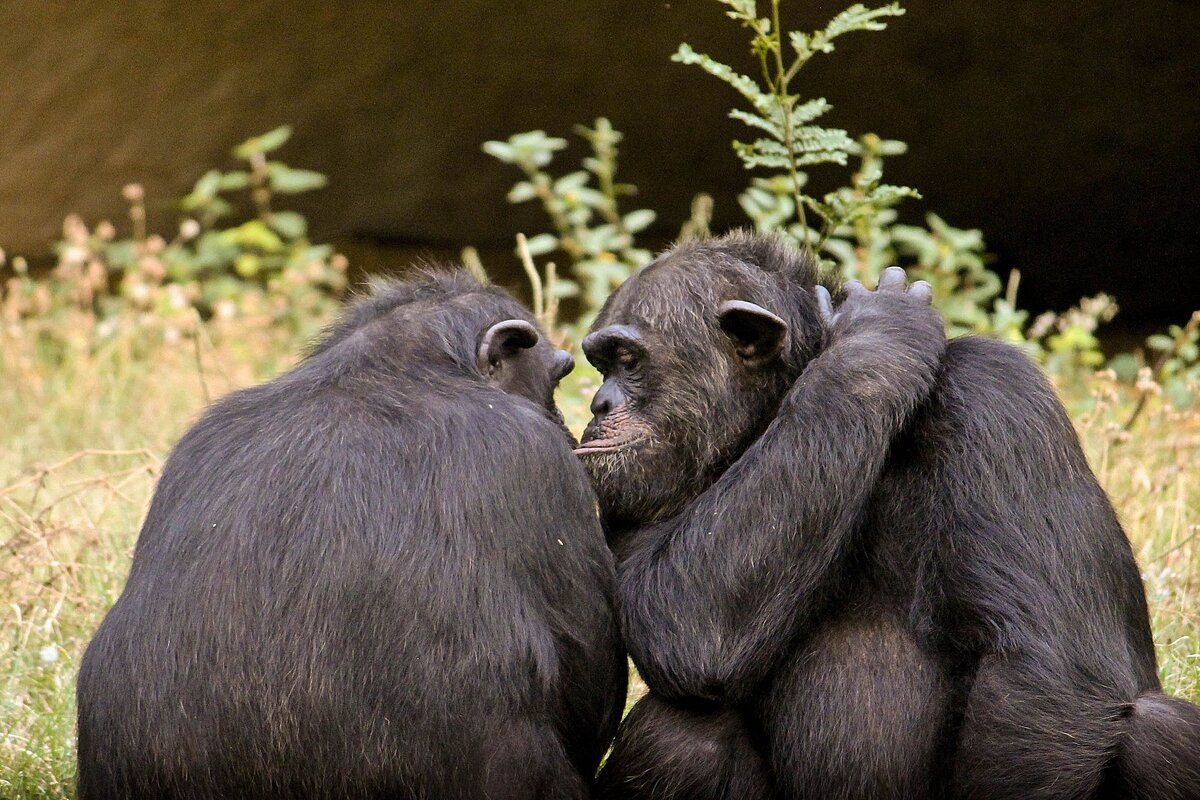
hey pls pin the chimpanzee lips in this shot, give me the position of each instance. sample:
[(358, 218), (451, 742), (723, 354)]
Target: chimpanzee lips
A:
[(615, 430), (608, 445)]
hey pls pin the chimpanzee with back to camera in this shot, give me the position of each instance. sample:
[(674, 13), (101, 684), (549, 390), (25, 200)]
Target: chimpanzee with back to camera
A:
[(855, 560), (379, 575)]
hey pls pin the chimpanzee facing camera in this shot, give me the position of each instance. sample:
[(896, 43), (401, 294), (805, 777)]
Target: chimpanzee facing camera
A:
[(855, 560), (378, 575)]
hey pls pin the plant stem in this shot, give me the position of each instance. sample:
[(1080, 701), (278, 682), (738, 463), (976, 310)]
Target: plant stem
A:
[(535, 280), (789, 138), (474, 264), (606, 157), (259, 189), (550, 314), (568, 236)]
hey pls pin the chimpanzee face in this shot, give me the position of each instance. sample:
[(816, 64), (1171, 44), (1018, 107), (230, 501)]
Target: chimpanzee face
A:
[(689, 381), (514, 357)]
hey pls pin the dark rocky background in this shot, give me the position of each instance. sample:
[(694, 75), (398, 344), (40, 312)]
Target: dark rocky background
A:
[(1069, 132)]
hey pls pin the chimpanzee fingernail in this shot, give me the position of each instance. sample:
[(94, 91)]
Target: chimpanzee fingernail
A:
[(923, 290), (892, 278)]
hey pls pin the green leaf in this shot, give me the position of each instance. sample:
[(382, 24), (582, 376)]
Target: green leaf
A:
[(1178, 393), (207, 187), (601, 239), (859, 18), (571, 182), (316, 252), (762, 153), (271, 140), (565, 287), (579, 215), (747, 9), (288, 224), (1160, 342), (886, 194), (214, 250), (767, 207), (288, 180), (892, 147), (638, 256), (802, 44), (501, 151), (637, 221), (534, 147), (773, 155), (813, 139), (247, 265), (807, 112), (586, 196), (234, 181), (746, 86), (541, 244), (522, 192), (182, 264), (755, 121), (253, 234), (219, 208), (602, 134), (856, 18), (843, 251)]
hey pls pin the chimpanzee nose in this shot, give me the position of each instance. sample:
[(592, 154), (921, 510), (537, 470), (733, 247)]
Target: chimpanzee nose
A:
[(608, 397), (564, 363)]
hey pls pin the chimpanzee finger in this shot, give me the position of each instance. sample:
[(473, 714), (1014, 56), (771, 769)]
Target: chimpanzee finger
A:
[(922, 290), (854, 288), (892, 280), (824, 303)]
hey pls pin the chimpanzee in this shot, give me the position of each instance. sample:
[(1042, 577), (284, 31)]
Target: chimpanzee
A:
[(379, 575), (855, 560)]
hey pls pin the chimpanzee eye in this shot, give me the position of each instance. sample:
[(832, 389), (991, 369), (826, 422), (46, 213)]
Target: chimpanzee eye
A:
[(627, 359)]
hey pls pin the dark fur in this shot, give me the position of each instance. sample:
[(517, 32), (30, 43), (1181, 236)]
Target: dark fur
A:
[(885, 554), (376, 576)]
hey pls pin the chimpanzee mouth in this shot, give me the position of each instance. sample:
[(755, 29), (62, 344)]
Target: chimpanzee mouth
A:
[(610, 445)]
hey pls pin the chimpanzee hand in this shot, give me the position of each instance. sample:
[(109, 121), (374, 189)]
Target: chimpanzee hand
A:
[(890, 300), (891, 340)]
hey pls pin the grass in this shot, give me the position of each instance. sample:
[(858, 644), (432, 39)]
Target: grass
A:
[(82, 443)]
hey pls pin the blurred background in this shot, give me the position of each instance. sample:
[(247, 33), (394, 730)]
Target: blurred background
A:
[(1068, 132), (187, 190)]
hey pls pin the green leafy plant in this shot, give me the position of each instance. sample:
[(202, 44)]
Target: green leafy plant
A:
[(233, 254), (1174, 372), (583, 207), (792, 140), (270, 250), (1177, 365)]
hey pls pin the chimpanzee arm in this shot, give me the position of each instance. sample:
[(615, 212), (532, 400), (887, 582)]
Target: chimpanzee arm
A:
[(711, 597)]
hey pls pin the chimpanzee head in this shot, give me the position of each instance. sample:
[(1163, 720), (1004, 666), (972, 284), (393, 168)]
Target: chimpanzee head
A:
[(697, 350), (515, 357), (445, 326)]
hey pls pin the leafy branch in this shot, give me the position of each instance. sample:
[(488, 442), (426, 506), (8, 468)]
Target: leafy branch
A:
[(792, 140)]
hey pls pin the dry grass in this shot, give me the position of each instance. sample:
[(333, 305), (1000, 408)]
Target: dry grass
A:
[(1152, 473), (81, 446)]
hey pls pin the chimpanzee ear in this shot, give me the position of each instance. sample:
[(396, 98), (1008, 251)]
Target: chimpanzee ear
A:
[(503, 341), (758, 335)]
